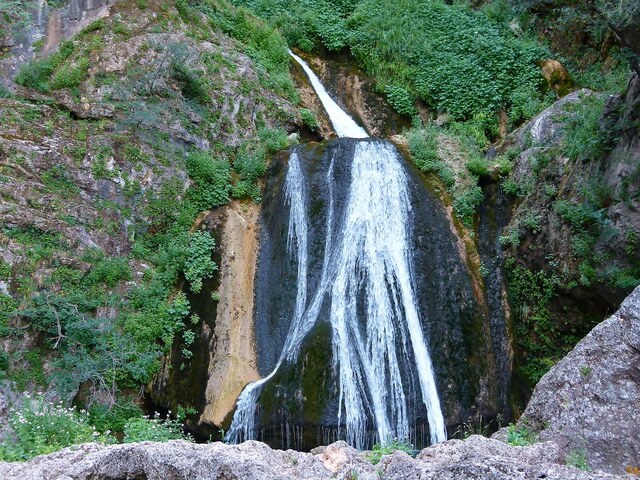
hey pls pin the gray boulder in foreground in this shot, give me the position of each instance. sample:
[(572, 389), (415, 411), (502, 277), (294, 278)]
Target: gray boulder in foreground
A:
[(590, 401), (475, 458)]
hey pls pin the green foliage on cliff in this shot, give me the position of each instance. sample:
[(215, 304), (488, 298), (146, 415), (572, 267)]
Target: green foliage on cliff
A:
[(456, 60), (542, 341), (199, 264), (586, 137), (13, 14), (95, 321), (38, 74), (212, 181)]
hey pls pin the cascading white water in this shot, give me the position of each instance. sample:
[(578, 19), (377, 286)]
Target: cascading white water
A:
[(370, 259), (342, 123)]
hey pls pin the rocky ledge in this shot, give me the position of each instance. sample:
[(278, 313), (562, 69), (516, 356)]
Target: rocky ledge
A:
[(474, 458)]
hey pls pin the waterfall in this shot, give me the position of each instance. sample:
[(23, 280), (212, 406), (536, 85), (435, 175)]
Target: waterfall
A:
[(367, 280), (342, 123)]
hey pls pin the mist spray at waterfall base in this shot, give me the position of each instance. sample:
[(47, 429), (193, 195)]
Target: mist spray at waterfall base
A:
[(367, 288)]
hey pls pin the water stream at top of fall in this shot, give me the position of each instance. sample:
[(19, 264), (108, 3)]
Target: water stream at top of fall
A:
[(367, 279)]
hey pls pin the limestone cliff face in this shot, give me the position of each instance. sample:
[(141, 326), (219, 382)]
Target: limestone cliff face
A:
[(589, 402), (574, 224), (225, 358)]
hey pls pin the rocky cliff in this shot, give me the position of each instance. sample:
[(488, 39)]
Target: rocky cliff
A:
[(589, 402), (111, 147)]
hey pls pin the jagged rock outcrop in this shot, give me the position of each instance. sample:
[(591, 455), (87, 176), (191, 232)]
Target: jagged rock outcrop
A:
[(574, 223), (589, 402), (474, 458), (49, 26)]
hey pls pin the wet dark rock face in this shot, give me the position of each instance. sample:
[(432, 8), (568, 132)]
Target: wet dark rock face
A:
[(299, 407)]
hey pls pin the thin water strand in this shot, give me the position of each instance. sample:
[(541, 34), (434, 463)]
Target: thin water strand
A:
[(343, 124)]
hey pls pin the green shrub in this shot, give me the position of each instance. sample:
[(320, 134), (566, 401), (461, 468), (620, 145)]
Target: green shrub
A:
[(42, 427), (37, 73), (477, 166), (456, 60), (380, 450), (192, 85), (113, 418), (7, 308), (68, 76), (520, 436), (153, 430), (309, 118), (585, 136), (212, 181), (465, 203), (401, 99), (274, 139), (423, 146), (199, 264), (109, 271)]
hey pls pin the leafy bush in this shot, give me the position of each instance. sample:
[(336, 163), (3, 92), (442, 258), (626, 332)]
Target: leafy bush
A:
[(153, 429), (309, 118), (585, 136), (423, 145), (112, 419), (456, 60), (104, 360), (192, 85), (37, 73), (199, 264), (520, 436), (465, 203), (68, 76), (274, 139), (478, 131), (42, 427), (7, 307), (380, 450), (401, 99), (212, 181), (477, 166), (109, 271)]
